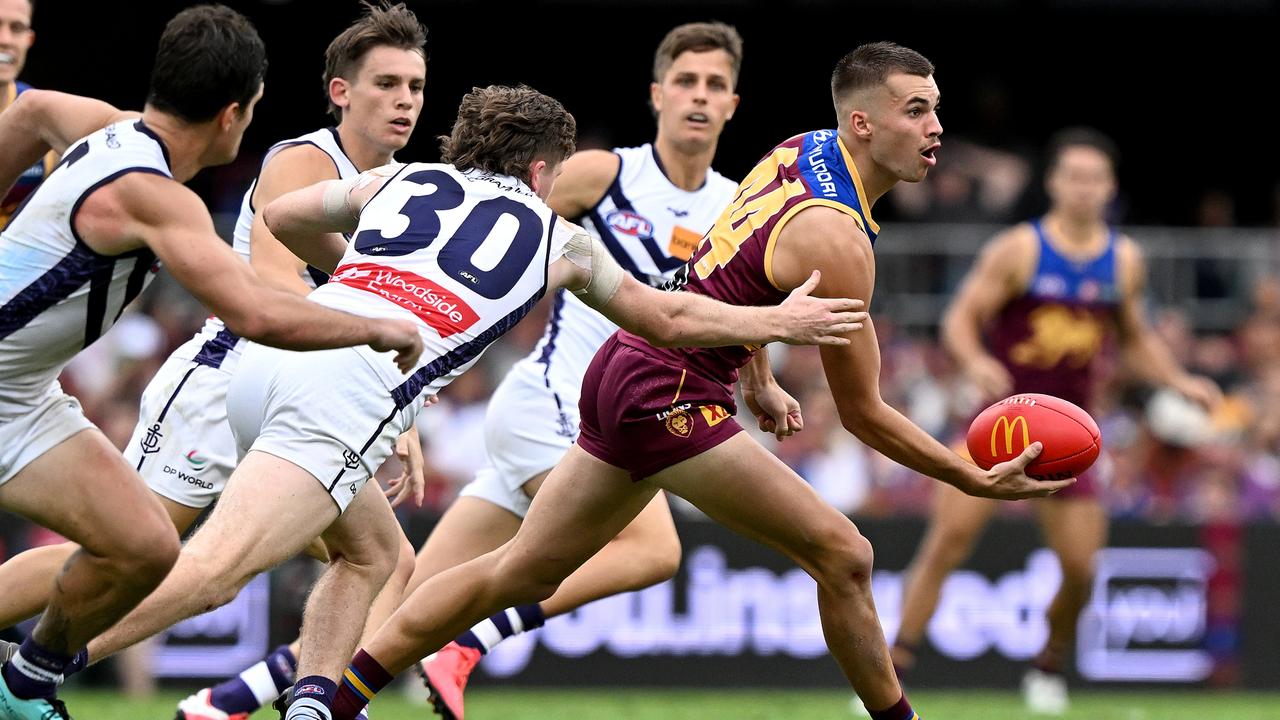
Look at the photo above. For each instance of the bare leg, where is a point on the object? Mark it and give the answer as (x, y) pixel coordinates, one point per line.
(393, 590)
(955, 525)
(363, 543)
(1075, 529)
(470, 528)
(747, 489)
(28, 577)
(127, 545)
(270, 511)
(584, 503)
(645, 553)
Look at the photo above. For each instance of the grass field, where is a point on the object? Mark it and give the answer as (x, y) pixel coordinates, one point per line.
(745, 705)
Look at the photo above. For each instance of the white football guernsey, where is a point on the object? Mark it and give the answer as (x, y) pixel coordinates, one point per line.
(464, 254)
(214, 345)
(56, 294)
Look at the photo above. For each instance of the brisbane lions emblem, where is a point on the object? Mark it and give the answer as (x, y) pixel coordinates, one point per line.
(680, 423)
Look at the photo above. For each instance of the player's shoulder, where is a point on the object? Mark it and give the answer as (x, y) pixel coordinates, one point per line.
(1017, 245)
(302, 158)
(592, 168)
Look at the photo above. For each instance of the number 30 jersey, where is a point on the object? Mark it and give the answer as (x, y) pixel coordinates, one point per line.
(57, 295)
(464, 254)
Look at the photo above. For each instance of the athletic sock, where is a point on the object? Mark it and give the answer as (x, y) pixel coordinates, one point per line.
(486, 634)
(313, 696)
(900, 710)
(258, 685)
(364, 678)
(35, 671)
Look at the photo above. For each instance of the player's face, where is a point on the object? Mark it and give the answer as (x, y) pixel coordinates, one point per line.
(384, 101)
(1082, 182)
(15, 37)
(905, 125)
(695, 99)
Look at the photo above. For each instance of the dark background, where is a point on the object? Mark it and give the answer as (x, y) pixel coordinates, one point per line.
(1186, 87)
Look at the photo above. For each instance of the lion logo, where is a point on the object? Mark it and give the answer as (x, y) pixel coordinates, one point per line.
(680, 423)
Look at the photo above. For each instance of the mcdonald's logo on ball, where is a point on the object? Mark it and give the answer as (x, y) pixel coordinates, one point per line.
(1070, 437)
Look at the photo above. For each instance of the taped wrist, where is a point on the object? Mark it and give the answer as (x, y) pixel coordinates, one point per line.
(606, 274)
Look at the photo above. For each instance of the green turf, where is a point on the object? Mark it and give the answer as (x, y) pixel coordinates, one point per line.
(754, 705)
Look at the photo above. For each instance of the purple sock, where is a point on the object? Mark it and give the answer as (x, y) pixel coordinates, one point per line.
(484, 635)
(900, 710)
(256, 686)
(35, 671)
(317, 693)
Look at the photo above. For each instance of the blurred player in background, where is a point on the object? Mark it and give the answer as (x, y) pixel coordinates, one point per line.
(657, 418)
(16, 37)
(649, 206)
(1048, 296)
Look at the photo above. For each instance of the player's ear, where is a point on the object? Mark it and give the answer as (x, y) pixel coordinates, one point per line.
(655, 97)
(229, 115)
(736, 99)
(860, 124)
(339, 90)
(535, 176)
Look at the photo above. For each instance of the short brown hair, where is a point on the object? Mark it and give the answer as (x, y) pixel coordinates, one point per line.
(506, 129)
(698, 37)
(381, 25)
(871, 64)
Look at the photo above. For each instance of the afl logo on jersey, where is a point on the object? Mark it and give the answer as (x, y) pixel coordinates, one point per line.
(628, 222)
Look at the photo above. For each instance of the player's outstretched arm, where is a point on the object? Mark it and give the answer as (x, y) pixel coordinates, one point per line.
(42, 120)
(828, 240)
(308, 221)
(680, 319)
(171, 220)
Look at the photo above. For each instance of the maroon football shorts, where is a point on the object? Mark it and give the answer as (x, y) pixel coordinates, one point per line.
(643, 414)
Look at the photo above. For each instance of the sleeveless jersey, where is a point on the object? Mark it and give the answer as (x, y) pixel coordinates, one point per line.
(56, 294)
(733, 262)
(214, 345)
(463, 254)
(32, 176)
(1049, 337)
(651, 227)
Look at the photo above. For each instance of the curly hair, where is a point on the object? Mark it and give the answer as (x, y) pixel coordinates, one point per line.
(505, 130)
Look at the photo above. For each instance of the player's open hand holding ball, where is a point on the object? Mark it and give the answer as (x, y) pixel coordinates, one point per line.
(1032, 445)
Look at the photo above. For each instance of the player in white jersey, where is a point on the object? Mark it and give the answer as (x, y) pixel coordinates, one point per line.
(465, 250)
(649, 206)
(73, 255)
(182, 445)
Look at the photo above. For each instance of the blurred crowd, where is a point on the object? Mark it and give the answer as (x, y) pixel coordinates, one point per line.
(1164, 460)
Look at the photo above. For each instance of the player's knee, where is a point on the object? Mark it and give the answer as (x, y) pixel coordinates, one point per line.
(149, 554)
(405, 562)
(847, 559)
(662, 559)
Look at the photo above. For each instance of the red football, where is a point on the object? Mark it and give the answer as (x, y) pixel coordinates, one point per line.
(1070, 437)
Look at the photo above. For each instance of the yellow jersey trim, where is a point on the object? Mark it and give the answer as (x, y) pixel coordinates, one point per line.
(857, 184)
